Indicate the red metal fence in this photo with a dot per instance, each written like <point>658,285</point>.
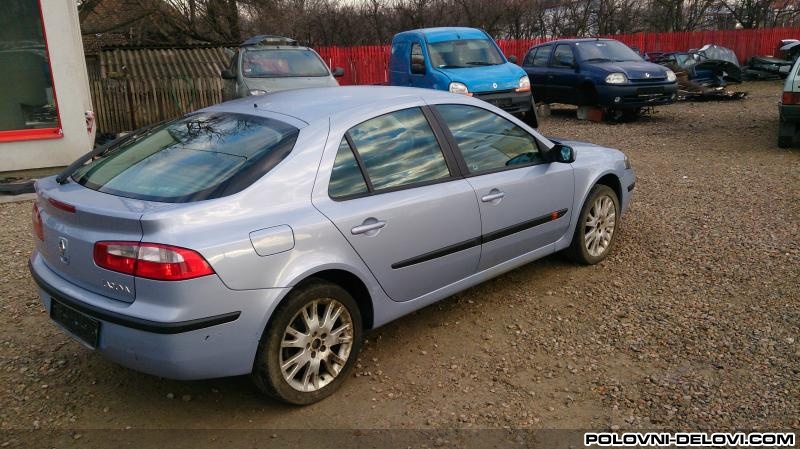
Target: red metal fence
<point>369,64</point>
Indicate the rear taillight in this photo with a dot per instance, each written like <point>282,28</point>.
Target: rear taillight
<point>151,260</point>
<point>38,226</point>
<point>791,98</point>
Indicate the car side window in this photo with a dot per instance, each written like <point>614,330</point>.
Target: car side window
<point>399,149</point>
<point>542,56</point>
<point>416,54</point>
<point>488,141</point>
<point>528,61</point>
<point>562,56</point>
<point>346,177</point>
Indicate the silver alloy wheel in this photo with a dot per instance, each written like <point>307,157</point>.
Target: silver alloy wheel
<point>316,345</point>
<point>599,226</point>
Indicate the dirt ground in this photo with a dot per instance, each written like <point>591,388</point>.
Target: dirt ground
<point>691,324</point>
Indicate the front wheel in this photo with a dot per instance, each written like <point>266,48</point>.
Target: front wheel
<point>310,345</point>
<point>595,232</point>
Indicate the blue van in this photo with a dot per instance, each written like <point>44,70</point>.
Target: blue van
<point>464,61</point>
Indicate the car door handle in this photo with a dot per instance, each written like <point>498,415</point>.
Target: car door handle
<point>494,195</point>
<point>366,228</point>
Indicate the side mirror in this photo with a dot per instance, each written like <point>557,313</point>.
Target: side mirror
<point>562,153</point>
<point>227,74</point>
<point>338,71</point>
<point>512,59</point>
<point>418,69</point>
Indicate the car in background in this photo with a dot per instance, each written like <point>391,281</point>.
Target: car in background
<point>789,107</point>
<point>598,72</point>
<point>265,241</point>
<point>464,61</point>
<point>266,63</point>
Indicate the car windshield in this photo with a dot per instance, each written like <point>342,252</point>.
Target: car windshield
<point>277,63</point>
<point>201,156</point>
<point>462,53</point>
<point>606,51</point>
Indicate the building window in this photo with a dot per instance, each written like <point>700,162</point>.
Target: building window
<point>28,109</point>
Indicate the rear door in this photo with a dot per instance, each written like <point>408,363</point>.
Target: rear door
<point>391,191</point>
<point>562,80</point>
<point>524,202</point>
<point>535,65</point>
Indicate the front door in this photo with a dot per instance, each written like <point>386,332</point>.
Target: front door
<point>391,194</point>
<point>524,201</point>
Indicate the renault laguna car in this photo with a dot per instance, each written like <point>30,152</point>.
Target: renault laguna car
<point>265,235</point>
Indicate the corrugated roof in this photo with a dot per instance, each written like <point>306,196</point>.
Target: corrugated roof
<point>155,63</point>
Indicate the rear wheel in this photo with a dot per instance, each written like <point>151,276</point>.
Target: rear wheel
<point>310,345</point>
<point>595,232</point>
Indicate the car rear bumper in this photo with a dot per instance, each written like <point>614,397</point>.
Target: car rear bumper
<point>509,101</point>
<point>136,336</point>
<point>637,96</point>
<point>790,113</point>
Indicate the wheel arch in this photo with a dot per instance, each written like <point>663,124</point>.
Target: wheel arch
<point>352,283</point>
<point>611,180</point>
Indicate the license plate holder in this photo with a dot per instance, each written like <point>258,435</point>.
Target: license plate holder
<point>82,326</point>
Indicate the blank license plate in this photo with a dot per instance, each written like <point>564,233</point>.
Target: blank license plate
<point>86,328</point>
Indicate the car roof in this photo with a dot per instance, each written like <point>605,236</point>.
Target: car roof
<point>320,103</point>
<point>574,41</point>
<point>440,34</point>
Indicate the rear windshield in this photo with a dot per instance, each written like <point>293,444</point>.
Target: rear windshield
<point>282,63</point>
<point>606,51</point>
<point>462,53</point>
<point>198,157</point>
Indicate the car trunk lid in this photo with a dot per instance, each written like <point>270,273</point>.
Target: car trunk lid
<point>74,218</point>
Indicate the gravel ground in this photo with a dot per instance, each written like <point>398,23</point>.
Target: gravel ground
<point>692,324</point>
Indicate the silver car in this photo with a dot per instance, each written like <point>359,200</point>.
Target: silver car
<point>264,64</point>
<point>265,235</point>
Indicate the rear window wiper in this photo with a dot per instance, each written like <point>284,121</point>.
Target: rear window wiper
<point>102,149</point>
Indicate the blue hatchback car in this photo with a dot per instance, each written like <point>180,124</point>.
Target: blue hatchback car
<point>463,61</point>
<point>598,72</point>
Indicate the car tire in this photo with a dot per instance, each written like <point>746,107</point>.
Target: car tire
<point>592,218</point>
<point>784,141</point>
<point>299,330</point>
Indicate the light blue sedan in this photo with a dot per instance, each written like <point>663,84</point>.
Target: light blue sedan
<point>265,235</point>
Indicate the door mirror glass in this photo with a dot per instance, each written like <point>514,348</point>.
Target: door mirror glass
<point>563,153</point>
<point>227,74</point>
<point>512,59</point>
<point>338,72</point>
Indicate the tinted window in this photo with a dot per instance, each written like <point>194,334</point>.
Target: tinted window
<point>282,63</point>
<point>346,177</point>
<point>488,141</point>
<point>529,57</point>
<point>562,56</point>
<point>542,55</point>
<point>193,158</point>
<point>464,53</point>
<point>399,149</point>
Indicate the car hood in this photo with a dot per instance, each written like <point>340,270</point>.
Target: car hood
<point>634,70</point>
<point>487,78</point>
<point>286,83</point>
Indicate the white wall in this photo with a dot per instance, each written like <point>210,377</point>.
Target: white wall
<point>72,93</point>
